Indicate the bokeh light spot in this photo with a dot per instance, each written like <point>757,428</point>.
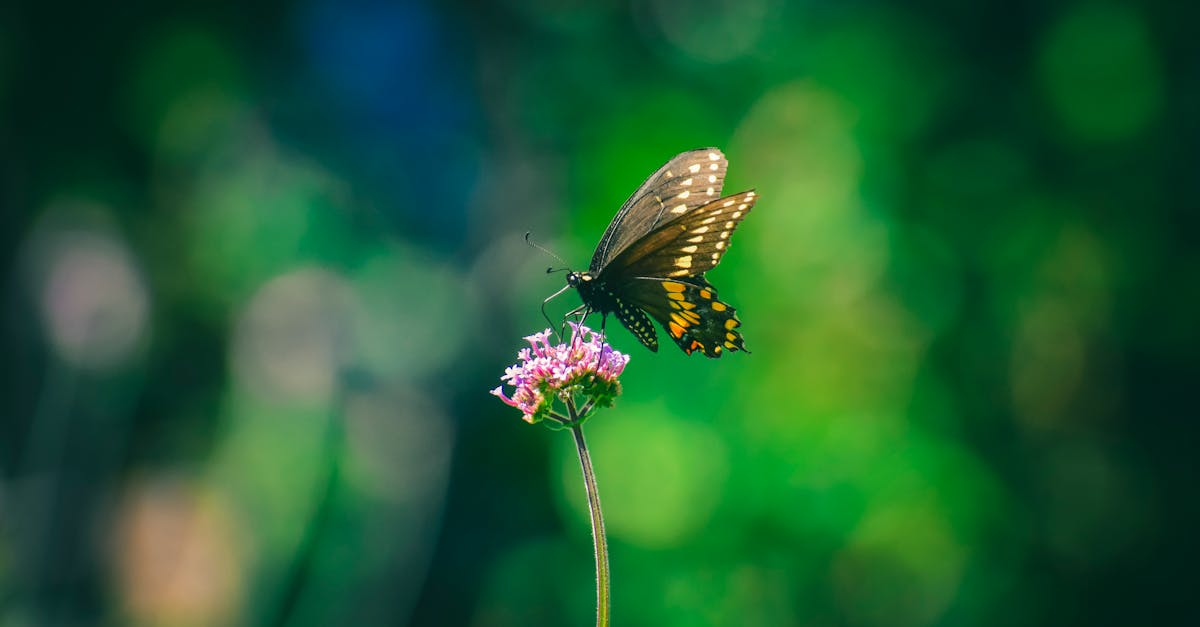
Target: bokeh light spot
<point>254,213</point>
<point>94,301</point>
<point>798,144</point>
<point>400,447</point>
<point>662,476</point>
<point>1101,73</point>
<point>183,84</point>
<point>410,312</point>
<point>1096,508</point>
<point>901,568</point>
<point>888,67</point>
<point>291,340</point>
<point>710,31</point>
<point>538,582</point>
<point>1063,306</point>
<point>177,554</point>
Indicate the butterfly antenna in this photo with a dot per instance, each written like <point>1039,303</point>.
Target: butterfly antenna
<point>545,250</point>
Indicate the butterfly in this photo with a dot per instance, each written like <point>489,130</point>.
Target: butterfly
<point>651,261</point>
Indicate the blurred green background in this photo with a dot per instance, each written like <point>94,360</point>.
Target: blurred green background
<point>264,261</point>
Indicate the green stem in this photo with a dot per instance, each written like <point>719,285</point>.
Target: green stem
<point>603,603</point>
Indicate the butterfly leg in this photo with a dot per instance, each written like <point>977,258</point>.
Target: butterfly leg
<point>581,310</point>
<point>548,299</point>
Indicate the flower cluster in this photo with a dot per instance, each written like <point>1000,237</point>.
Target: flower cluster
<point>585,365</point>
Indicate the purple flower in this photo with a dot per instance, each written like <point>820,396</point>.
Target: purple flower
<point>585,365</point>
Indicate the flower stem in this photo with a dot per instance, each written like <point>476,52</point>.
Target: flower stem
<point>603,603</point>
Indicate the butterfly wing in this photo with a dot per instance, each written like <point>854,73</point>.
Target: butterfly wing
<point>690,312</point>
<point>688,246</point>
<point>687,181</point>
<point>637,322</point>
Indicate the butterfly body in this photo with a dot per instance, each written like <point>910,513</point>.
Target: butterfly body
<point>651,261</point>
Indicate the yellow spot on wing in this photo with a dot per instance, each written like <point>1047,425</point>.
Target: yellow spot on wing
<point>684,262</point>
<point>731,323</point>
<point>672,286</point>
<point>680,320</point>
<point>718,306</point>
<point>675,296</point>
<point>689,249</point>
<point>705,294</point>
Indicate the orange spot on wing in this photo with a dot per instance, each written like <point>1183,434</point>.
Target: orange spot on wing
<point>676,330</point>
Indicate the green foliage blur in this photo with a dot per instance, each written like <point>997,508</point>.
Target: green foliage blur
<point>265,260</point>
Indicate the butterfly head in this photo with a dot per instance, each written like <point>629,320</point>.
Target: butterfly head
<point>575,279</point>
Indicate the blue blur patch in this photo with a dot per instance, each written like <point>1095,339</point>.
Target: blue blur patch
<point>399,89</point>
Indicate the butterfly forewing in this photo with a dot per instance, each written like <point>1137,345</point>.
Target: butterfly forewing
<point>689,180</point>
<point>689,246</point>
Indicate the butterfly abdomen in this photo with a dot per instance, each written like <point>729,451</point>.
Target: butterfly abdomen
<point>600,298</point>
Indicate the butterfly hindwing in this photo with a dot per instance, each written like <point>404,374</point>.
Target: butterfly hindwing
<point>687,181</point>
<point>690,312</point>
<point>638,323</point>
